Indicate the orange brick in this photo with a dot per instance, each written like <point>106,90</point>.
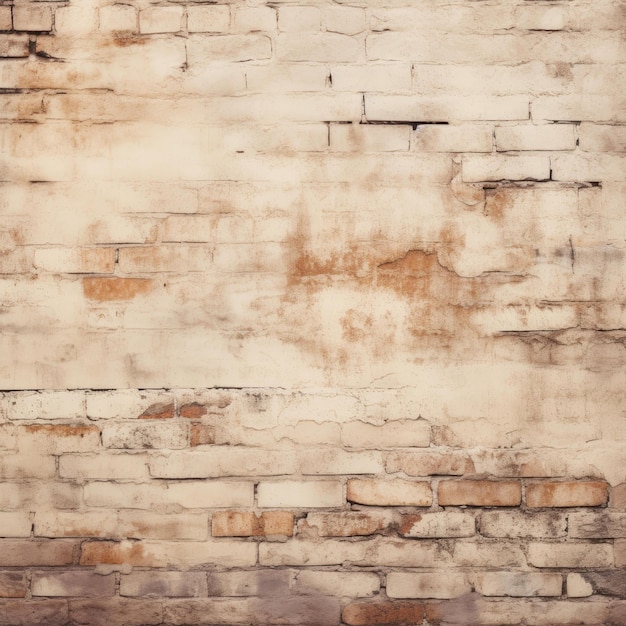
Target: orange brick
<point>480,493</point>
<point>161,410</point>
<point>566,494</point>
<point>248,524</point>
<point>201,434</point>
<point>193,410</point>
<point>107,289</point>
<point>383,613</point>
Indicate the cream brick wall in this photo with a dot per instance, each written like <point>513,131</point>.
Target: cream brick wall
<point>312,313</point>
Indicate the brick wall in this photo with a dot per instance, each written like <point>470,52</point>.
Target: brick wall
<point>312,314</point>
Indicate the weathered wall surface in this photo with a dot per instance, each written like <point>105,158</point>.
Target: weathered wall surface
<point>312,313</point>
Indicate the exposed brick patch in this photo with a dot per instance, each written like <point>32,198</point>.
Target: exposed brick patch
<point>159,411</point>
<point>566,494</point>
<point>110,289</point>
<point>479,493</point>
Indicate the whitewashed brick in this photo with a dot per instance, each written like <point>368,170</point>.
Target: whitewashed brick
<point>317,47</point>
<point>518,584</point>
<point>170,584</point>
<point>602,138</point>
<point>488,168</point>
<point>319,494</point>
<point>15,524</point>
<point>449,138</point>
<point>299,18</point>
<point>427,585</point>
<point>369,138</point>
<point>224,461</point>
<point>340,584</point>
<point>345,20</point>
<point>118,17</point>
<point>327,462</point>
<point>578,587</point>
<point>145,435</point>
<point>389,492</point>
<point>531,137</point>
<point>104,466</point>
<point>250,19</point>
<point>444,524</point>
<point>228,48</point>
<point>160,20</point>
<point>30,405</point>
<point>32,17</point>
<point>570,554</point>
<point>72,583</point>
<point>400,434</point>
<point>371,77</point>
<point>75,20</point>
<point>208,19</point>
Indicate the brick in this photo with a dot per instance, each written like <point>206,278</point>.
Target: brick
<point>114,611</point>
<point>426,585</point>
<point>369,138</point>
<point>22,466</point>
<point>596,525</point>
<point>541,17</point>
<point>601,138</point>
<point>73,583</point>
<point>296,494</point>
<point>85,261</point>
<point>430,463</point>
<point>618,497</point>
<point>160,20</point>
<point>104,465</point>
<point>421,109</point>
<point>400,434</point>
<point>118,17</point>
<point>13,585</point>
<point>188,494</point>
<point>345,523</point>
<point>288,77</point>
<point>201,435</point>
<point>249,19</point>
<point>383,613</point>
<point>235,48</point>
<point>389,493</point>
<point>177,554</point>
<point>479,493</point>
<point>449,138</point>
<point>145,436</point>
<point>32,18</point>
<point>572,108</point>
<point>75,21</point>
<point>317,47</point>
<point>6,19</point>
<point>329,462</point>
<point>248,524</point>
<point>121,525</point>
<point>208,19</point>
<point>109,289</point>
<point>578,587</point>
<point>58,438</point>
<point>130,403</point>
<point>535,137</point>
<point>34,612</point>
<point>438,525</point>
<point>223,461</point>
<point>518,584</point>
<point>587,167</point>
<point>165,259</point>
<point>488,554</point>
<point>28,496</point>
<point>338,584</point>
<point>345,20</point>
<point>43,405</point>
<point>14,524</point>
<point>566,494</point>
<point>250,583</point>
<point>373,77</point>
<point>300,18</point>
<point>378,551</point>
<point>492,168</point>
<point>572,555</point>
<point>159,584</point>
<point>620,553</point>
<point>513,524</point>
<point>26,553</point>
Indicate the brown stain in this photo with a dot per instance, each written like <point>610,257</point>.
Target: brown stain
<point>193,410</point>
<point>561,70</point>
<point>160,410</point>
<point>110,289</point>
<point>121,40</point>
<point>495,204</point>
<point>61,430</point>
<point>403,613</point>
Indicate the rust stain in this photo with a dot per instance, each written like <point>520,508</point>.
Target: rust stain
<point>201,434</point>
<point>108,289</point>
<point>62,430</point>
<point>123,41</point>
<point>407,523</point>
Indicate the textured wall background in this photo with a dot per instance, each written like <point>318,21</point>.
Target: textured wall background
<point>312,313</point>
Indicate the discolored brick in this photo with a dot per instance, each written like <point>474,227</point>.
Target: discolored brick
<point>479,493</point>
<point>566,494</point>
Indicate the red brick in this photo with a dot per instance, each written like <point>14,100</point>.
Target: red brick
<point>201,434</point>
<point>480,493</point>
<point>566,494</point>
<point>160,410</point>
<point>33,612</point>
<point>116,612</point>
<point>383,613</point>
<point>248,524</point>
<point>23,553</point>
<point>13,585</point>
